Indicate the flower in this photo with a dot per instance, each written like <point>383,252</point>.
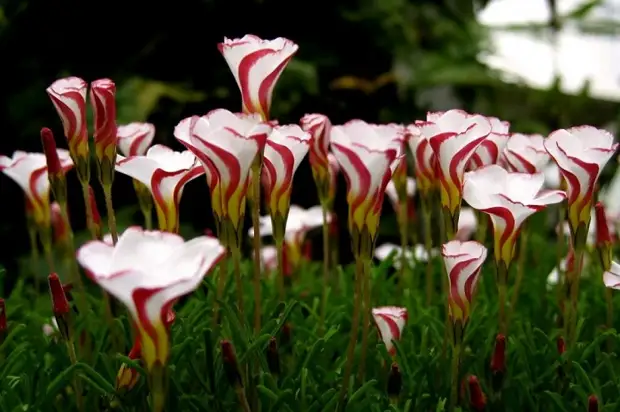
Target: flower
<point>69,98</point>
<point>425,161</point>
<point>553,177</point>
<point>60,227</point>
<point>490,150</point>
<point>611,277</point>
<point>580,153</point>
<point>525,153</point>
<point>103,102</point>
<point>257,65</point>
<point>603,236</point>
<point>498,360</point>
<point>165,172</point>
<point>135,138</point>
<point>477,399</point>
<point>285,148</point>
<point>319,127</point>
<point>454,136</point>
<point>463,261</point>
<point>127,377</point>
<point>567,265</point>
<point>509,199</point>
<point>227,145</point>
<point>147,271</point>
<point>418,254</point>
<point>368,155</point>
<point>468,222</point>
<point>390,322</point>
<point>29,171</point>
<point>269,258</point>
<point>392,193</point>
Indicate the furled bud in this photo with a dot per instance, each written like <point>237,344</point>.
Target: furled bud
<point>561,345</point>
<point>498,362</point>
<point>273,357</point>
<point>592,403</point>
<point>96,216</point>
<point>394,381</point>
<point>55,171</point>
<point>603,238</point>
<point>477,400</point>
<point>127,377</point>
<point>59,226</point>
<point>231,368</point>
<point>103,101</point>
<point>60,304</point>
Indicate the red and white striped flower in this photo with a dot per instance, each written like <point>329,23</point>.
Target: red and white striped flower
<point>69,98</point>
<point>148,271</point>
<point>525,153</point>
<point>257,65</point>
<point>463,261</point>
<point>468,223</point>
<point>490,150</point>
<point>611,278</point>
<point>425,161</point>
<point>368,155</point>
<point>509,199</point>
<point>285,148</point>
<point>269,258</point>
<point>416,253</point>
<point>29,171</point>
<point>390,190</point>
<point>319,127</point>
<point>454,136</point>
<point>165,172</point>
<point>227,144</point>
<point>580,153</point>
<point>135,138</point>
<point>390,322</point>
<point>103,102</point>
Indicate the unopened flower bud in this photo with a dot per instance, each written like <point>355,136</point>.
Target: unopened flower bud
<point>394,381</point>
<point>273,357</point>
<point>95,212</point>
<point>231,368</point>
<point>603,238</point>
<point>498,362</point>
<point>59,226</point>
<point>561,345</point>
<point>477,400</point>
<point>103,101</point>
<point>60,304</point>
<point>127,377</point>
<point>55,171</point>
<point>592,403</point>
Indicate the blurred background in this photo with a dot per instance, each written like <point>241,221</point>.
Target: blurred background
<point>540,64</point>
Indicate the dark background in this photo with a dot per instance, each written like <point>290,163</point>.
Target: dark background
<point>380,61</point>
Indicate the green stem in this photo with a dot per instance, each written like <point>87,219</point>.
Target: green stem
<point>73,358</point>
<point>428,243</point>
<point>236,255</point>
<point>76,278</point>
<point>45,236</point>
<point>145,200</point>
<point>483,224</point>
<point>107,192</point>
<point>243,399</point>
<point>325,270</point>
<point>402,210</point>
<point>255,205</point>
<point>221,282</point>
<point>367,295</point>
<point>574,294</point>
<point>560,256</point>
<point>454,393</point>
<point>610,316</point>
<point>357,301</point>
<point>89,210</point>
<point>158,385</point>
<point>520,271</point>
<point>34,256</point>
<point>281,269</point>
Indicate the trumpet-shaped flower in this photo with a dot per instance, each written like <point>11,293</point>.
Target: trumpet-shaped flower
<point>69,98</point>
<point>580,153</point>
<point>227,145</point>
<point>285,148</point>
<point>468,222</point>
<point>319,127</point>
<point>425,161</point>
<point>526,154</point>
<point>135,138</point>
<point>491,149</point>
<point>509,199</point>
<point>463,261</point>
<point>147,271</point>
<point>454,136</point>
<point>29,171</point>
<point>368,155</point>
<point>257,65</point>
<point>390,322</point>
<point>165,172</point>
<point>417,253</point>
<point>103,102</point>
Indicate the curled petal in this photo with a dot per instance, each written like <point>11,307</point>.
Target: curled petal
<point>463,261</point>
<point>319,127</point>
<point>526,154</point>
<point>147,271</point>
<point>165,172</point>
<point>390,322</point>
<point>135,138</point>
<point>611,278</point>
<point>257,65</point>
<point>103,101</point>
<point>490,150</point>
<point>424,158</point>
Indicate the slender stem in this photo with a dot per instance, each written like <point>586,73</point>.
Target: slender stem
<point>73,358</point>
<point>280,245</point>
<point>236,255</point>
<point>402,210</point>
<point>520,270</point>
<point>325,270</point>
<point>359,273</point>
<point>34,256</point>
<point>107,192</point>
<point>456,360</point>
<point>89,210</point>
<point>75,270</point>
<point>367,295</point>
<point>428,243</point>
<point>501,289</point>
<point>45,236</point>
<point>255,203</point>
<point>610,316</point>
<point>560,255</point>
<point>145,200</point>
<point>221,282</point>
<point>243,399</point>
<point>158,385</point>
<point>574,296</point>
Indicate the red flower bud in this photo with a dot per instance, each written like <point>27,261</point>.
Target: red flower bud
<point>477,400</point>
<point>51,154</point>
<point>333,226</point>
<point>273,357</point>
<point>231,368</point>
<point>170,318</point>
<point>60,304</point>
<point>61,232</point>
<point>561,345</point>
<point>395,381</point>
<point>3,327</point>
<point>602,228</point>
<point>592,403</point>
<point>103,101</point>
<point>498,361</point>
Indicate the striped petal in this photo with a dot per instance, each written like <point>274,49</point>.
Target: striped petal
<point>390,322</point>
<point>135,138</point>
<point>319,127</point>
<point>611,278</point>
<point>424,164</point>
<point>526,153</point>
<point>490,150</point>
